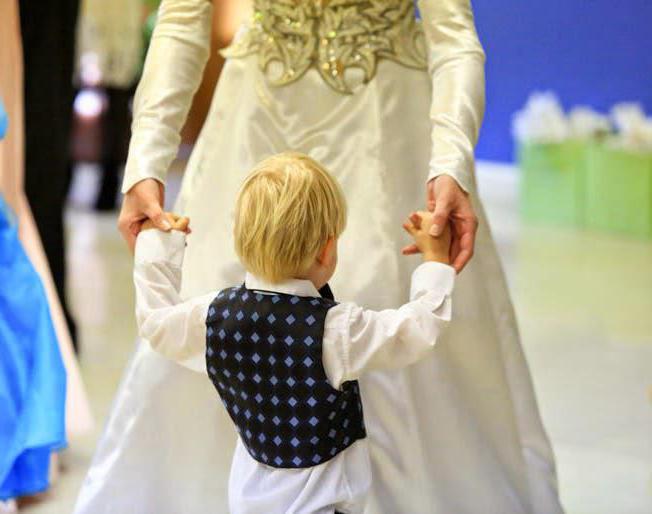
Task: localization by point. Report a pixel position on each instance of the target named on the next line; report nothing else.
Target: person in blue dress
(32, 374)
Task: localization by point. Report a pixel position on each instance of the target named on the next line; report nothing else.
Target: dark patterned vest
(264, 356)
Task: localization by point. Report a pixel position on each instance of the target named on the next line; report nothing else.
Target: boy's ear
(326, 253)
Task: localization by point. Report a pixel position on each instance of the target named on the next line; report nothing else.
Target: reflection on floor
(584, 303)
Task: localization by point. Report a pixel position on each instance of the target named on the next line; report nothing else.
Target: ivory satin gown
(384, 109)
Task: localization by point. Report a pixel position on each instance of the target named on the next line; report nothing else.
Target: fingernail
(166, 225)
(434, 230)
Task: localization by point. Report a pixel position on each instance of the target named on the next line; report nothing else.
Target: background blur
(569, 199)
(588, 52)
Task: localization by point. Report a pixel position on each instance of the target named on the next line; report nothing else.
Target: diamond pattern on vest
(264, 357)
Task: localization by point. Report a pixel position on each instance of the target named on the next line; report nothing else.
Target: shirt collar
(293, 286)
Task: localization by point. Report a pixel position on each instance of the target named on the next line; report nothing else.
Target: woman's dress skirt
(459, 432)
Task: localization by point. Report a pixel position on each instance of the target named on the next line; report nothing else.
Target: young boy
(284, 358)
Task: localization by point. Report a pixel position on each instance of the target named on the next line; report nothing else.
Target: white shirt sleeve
(456, 64)
(174, 328)
(357, 340)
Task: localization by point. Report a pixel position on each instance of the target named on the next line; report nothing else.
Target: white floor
(584, 302)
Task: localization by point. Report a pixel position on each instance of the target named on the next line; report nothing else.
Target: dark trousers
(115, 138)
(48, 32)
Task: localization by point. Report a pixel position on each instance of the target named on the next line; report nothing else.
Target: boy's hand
(433, 248)
(180, 223)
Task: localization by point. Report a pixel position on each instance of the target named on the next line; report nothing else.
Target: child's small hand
(180, 223)
(432, 248)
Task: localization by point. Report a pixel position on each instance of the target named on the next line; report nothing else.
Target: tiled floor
(584, 302)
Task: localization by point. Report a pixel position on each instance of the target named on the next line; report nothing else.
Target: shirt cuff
(432, 276)
(153, 245)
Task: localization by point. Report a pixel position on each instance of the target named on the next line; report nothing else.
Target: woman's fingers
(129, 227)
(127, 234)
(430, 195)
(455, 246)
(142, 201)
(465, 235)
(440, 217)
(130, 237)
(155, 213)
(452, 204)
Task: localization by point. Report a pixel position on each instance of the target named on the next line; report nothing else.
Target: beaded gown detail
(333, 37)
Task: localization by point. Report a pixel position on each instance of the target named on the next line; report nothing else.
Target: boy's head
(289, 213)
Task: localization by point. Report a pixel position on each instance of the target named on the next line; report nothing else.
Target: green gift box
(619, 190)
(552, 182)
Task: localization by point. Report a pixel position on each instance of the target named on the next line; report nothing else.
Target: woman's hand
(451, 205)
(142, 202)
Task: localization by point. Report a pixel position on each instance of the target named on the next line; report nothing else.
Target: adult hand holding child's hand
(143, 202)
(176, 222)
(452, 208)
(433, 248)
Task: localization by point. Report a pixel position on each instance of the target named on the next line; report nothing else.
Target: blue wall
(594, 52)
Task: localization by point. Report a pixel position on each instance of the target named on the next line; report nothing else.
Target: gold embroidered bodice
(332, 36)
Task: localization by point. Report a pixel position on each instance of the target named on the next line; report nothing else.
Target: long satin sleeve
(173, 69)
(456, 64)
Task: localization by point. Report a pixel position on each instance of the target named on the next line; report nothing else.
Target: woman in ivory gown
(352, 83)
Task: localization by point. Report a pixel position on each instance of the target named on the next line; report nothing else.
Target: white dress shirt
(355, 340)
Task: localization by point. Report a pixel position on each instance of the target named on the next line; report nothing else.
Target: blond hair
(287, 209)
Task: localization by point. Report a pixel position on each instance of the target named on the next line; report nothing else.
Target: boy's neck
(315, 274)
(316, 281)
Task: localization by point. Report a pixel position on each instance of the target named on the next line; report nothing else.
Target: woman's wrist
(463, 181)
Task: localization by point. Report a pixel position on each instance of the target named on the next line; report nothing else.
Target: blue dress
(32, 375)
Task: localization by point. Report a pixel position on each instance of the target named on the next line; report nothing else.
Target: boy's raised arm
(174, 328)
(358, 340)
